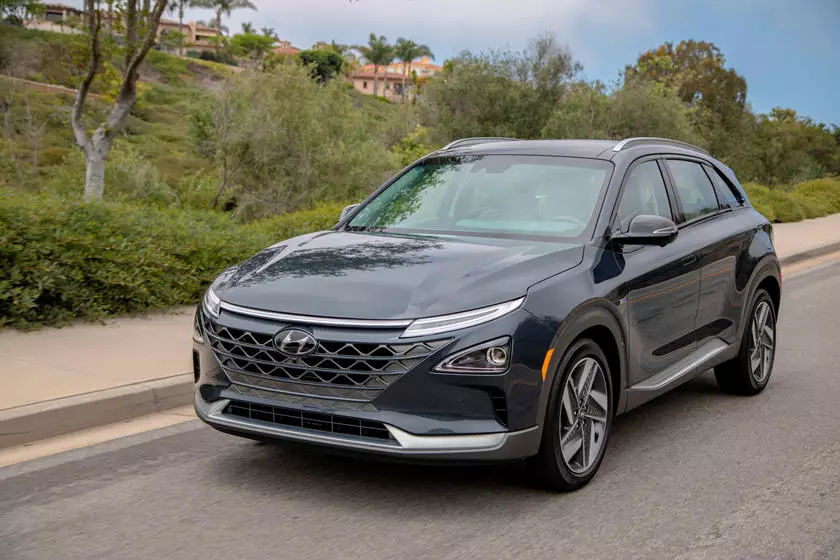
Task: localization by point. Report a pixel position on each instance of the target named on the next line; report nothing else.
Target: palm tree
(379, 53)
(408, 51)
(222, 7)
(247, 27)
(179, 6)
(269, 32)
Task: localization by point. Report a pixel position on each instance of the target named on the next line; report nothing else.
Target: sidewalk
(61, 380)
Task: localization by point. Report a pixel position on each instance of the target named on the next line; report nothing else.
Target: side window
(694, 188)
(644, 193)
(724, 190)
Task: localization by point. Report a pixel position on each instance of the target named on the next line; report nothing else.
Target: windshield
(490, 195)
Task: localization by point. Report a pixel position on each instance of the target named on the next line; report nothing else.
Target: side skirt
(708, 355)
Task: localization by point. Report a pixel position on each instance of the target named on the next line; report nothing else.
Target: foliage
(323, 64)
(500, 93)
(253, 46)
(283, 142)
(19, 11)
(413, 147)
(810, 199)
(62, 259)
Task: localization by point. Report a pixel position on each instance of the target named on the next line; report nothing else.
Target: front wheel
(749, 372)
(578, 420)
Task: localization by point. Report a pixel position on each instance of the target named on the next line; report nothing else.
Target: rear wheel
(578, 419)
(749, 372)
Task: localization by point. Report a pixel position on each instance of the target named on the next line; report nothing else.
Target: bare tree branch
(93, 20)
(128, 91)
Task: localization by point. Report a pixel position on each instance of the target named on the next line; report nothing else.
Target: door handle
(689, 260)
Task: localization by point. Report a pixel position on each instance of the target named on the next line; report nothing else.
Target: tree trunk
(218, 30)
(402, 93)
(95, 174)
(409, 79)
(181, 27)
(375, 81)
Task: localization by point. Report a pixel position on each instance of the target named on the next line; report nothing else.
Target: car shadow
(344, 481)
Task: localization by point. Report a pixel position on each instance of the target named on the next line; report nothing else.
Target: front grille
(316, 421)
(338, 370)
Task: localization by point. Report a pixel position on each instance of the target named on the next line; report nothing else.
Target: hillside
(158, 127)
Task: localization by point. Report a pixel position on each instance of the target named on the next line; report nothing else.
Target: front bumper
(500, 446)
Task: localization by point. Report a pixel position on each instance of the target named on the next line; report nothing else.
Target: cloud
(447, 26)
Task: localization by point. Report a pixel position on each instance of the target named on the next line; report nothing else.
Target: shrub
(63, 259)
(811, 199)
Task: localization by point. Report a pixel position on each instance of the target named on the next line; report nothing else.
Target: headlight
(446, 323)
(490, 357)
(212, 303)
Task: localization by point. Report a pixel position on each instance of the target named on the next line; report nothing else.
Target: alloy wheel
(762, 340)
(583, 415)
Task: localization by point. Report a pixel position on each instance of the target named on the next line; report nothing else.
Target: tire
(749, 372)
(553, 469)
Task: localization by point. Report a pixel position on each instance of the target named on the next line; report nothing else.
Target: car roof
(595, 149)
(570, 148)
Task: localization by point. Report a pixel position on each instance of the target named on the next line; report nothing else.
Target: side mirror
(347, 211)
(647, 230)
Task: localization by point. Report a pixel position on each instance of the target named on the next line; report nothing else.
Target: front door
(662, 289)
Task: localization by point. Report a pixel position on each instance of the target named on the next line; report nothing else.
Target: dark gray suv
(497, 300)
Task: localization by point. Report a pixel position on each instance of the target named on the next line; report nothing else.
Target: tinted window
(724, 191)
(492, 195)
(644, 193)
(694, 188)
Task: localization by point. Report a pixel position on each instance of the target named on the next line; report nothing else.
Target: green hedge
(810, 199)
(62, 259)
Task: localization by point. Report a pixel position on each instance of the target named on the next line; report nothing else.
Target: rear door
(662, 282)
(711, 226)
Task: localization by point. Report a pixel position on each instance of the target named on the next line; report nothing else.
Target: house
(391, 78)
(58, 18)
(285, 48)
(67, 19)
(196, 36)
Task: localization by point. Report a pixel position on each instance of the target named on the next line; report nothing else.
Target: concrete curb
(810, 254)
(34, 422)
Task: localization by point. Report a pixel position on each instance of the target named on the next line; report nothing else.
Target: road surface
(695, 474)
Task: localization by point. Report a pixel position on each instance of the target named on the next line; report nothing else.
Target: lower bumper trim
(494, 446)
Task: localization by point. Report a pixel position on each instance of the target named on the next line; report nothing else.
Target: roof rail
(465, 142)
(627, 142)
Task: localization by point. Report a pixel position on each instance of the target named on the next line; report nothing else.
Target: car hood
(381, 276)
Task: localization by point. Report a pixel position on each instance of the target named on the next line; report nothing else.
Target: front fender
(600, 313)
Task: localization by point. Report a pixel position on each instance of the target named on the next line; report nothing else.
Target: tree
(323, 64)
(269, 32)
(253, 46)
(379, 53)
(19, 11)
(179, 5)
(499, 93)
(407, 52)
(223, 7)
(695, 72)
(141, 24)
(248, 27)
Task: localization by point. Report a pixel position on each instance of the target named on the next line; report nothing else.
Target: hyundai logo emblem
(295, 342)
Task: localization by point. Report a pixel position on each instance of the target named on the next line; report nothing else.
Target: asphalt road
(695, 474)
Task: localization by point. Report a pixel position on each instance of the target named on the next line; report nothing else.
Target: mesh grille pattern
(337, 370)
(309, 420)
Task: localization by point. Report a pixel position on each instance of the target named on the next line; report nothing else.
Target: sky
(788, 50)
